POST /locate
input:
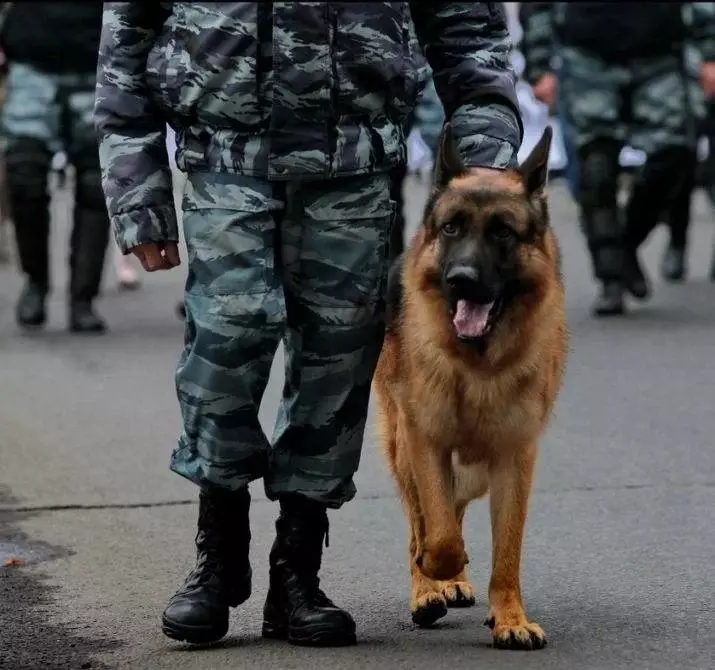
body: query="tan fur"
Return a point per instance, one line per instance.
(456, 423)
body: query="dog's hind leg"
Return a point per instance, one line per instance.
(510, 485)
(459, 592)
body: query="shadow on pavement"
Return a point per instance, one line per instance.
(28, 641)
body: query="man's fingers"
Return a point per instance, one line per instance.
(157, 256)
(153, 259)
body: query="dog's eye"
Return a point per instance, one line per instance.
(501, 231)
(450, 228)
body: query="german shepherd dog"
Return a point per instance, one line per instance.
(472, 363)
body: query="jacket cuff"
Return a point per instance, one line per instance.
(487, 135)
(145, 225)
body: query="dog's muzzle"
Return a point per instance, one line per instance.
(475, 304)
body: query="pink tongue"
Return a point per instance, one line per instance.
(470, 319)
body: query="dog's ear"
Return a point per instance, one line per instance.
(448, 164)
(535, 169)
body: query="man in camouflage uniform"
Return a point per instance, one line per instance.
(289, 118)
(52, 48)
(623, 79)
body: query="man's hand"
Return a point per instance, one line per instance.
(545, 89)
(158, 255)
(707, 79)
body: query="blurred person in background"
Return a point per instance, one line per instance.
(51, 48)
(621, 76)
(286, 216)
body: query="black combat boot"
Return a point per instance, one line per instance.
(221, 578)
(609, 301)
(634, 276)
(30, 311)
(672, 266)
(83, 318)
(296, 609)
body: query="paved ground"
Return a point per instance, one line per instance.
(620, 542)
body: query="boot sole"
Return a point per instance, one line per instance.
(312, 637)
(192, 634)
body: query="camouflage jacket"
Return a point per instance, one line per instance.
(540, 22)
(288, 90)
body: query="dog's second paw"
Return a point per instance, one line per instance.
(428, 608)
(459, 593)
(527, 636)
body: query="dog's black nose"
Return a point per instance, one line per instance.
(462, 276)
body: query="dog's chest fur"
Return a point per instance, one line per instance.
(476, 416)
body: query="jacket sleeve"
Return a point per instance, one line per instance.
(702, 26)
(537, 42)
(136, 176)
(468, 47)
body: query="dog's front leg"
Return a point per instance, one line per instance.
(442, 556)
(510, 484)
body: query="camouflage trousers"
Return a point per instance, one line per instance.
(651, 104)
(301, 262)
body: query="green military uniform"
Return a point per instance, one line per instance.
(625, 76)
(287, 132)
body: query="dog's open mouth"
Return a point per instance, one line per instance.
(473, 321)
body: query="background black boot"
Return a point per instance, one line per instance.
(30, 311)
(672, 266)
(296, 609)
(635, 278)
(610, 300)
(221, 578)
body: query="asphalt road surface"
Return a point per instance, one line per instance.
(620, 545)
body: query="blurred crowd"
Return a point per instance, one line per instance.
(626, 91)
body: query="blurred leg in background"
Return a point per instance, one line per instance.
(673, 265)
(90, 221)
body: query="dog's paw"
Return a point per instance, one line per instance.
(527, 636)
(428, 608)
(459, 593)
(443, 562)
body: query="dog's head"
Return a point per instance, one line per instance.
(488, 230)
